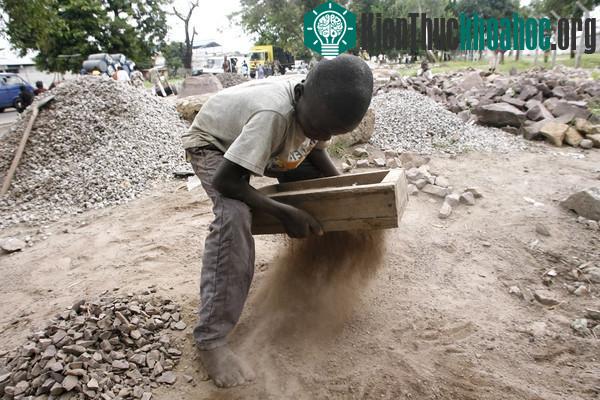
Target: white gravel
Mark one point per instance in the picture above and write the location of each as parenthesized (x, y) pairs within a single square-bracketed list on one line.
[(99, 143), (408, 121)]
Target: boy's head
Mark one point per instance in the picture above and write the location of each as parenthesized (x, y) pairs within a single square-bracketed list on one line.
[(39, 84), (334, 97)]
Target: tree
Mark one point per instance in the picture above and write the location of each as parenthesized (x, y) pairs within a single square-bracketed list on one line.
[(189, 39), (173, 53), (65, 32)]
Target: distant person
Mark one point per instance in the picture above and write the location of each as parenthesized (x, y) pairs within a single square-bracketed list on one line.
[(244, 69), (25, 98), (39, 88), (260, 72), (121, 75), (424, 71), (226, 65), (137, 79)]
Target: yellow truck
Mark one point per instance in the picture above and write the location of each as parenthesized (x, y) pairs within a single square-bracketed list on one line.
[(267, 56)]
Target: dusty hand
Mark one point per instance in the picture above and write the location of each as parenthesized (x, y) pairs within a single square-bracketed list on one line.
[(299, 224)]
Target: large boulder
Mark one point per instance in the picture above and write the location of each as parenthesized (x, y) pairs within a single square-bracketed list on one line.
[(585, 203), (538, 112), (188, 107), (565, 107), (196, 85), (555, 132), (361, 134), (572, 137), (595, 138), (500, 114), (533, 131)]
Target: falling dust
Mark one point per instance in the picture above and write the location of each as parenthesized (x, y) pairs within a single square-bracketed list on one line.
[(315, 284)]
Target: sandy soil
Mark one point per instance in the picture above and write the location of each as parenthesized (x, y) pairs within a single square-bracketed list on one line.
[(437, 322)]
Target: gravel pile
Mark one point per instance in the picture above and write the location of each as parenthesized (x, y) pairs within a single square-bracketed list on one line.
[(408, 121), (230, 79), (105, 349), (99, 143)]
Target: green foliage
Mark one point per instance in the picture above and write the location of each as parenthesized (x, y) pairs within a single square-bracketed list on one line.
[(564, 8), (173, 53), (59, 28), (488, 8)]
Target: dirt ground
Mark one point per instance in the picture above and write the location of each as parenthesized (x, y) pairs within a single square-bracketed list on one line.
[(437, 322)]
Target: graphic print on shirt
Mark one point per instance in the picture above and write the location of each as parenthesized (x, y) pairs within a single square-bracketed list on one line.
[(284, 162)]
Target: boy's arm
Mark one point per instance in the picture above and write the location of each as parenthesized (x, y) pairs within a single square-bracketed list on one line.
[(320, 159), (231, 180)]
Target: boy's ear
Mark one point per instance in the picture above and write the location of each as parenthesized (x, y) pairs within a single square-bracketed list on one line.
[(298, 91)]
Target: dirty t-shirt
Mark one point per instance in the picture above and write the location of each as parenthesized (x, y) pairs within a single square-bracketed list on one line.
[(254, 124)]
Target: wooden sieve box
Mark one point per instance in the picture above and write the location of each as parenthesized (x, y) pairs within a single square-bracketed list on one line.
[(368, 200)]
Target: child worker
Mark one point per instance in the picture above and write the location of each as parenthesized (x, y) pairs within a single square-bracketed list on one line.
[(272, 127)]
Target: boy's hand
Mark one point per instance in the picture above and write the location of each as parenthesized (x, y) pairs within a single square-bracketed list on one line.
[(298, 223)]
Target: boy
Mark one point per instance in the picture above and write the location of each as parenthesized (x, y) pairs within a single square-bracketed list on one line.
[(270, 127)]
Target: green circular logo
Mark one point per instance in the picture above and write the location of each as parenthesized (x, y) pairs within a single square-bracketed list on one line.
[(329, 29)]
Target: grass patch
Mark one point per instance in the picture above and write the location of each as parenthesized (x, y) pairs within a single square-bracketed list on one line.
[(337, 149)]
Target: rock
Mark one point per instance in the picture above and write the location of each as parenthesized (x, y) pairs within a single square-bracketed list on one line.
[(592, 274), (515, 291), (390, 154), (199, 85), (435, 190), (586, 144), (476, 193), (585, 203), (564, 108), (513, 101), (591, 224), (595, 138), (412, 189), (412, 160), (581, 291), (230, 79), (190, 106), (70, 382), (572, 137), (441, 181), (592, 314), (545, 297), (360, 152), (93, 384), (539, 112), (167, 377), (10, 244), (180, 325), (361, 134), (120, 364), (554, 132), (346, 167), (583, 125), (362, 163), (147, 396), (445, 211), (379, 162), (75, 349), (542, 230), (420, 183), (500, 114), (21, 388), (580, 325), (464, 115), (452, 199), (467, 198), (391, 163), (188, 378), (56, 389), (527, 92), (471, 80)]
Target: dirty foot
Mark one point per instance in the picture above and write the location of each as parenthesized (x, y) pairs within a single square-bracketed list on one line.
[(225, 368)]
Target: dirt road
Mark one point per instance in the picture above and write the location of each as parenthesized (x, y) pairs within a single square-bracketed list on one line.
[(438, 322)]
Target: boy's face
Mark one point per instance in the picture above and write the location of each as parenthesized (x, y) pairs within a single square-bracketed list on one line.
[(316, 120)]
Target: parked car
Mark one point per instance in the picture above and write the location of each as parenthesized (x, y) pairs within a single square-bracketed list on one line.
[(10, 87)]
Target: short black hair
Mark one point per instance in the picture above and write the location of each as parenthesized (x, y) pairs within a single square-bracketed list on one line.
[(344, 84), (39, 84)]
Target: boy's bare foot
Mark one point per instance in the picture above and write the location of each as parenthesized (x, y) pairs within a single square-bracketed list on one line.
[(225, 368)]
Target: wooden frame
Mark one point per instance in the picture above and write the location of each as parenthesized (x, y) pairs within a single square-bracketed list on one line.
[(369, 200)]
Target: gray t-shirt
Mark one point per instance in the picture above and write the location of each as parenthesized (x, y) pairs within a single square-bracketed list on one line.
[(254, 124)]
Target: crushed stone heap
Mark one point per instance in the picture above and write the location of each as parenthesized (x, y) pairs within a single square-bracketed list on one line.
[(115, 347), (99, 143), (408, 121)]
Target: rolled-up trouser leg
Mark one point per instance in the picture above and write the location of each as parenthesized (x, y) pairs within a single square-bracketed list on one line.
[(228, 261)]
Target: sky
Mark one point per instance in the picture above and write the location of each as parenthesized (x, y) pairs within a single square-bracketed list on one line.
[(212, 24)]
